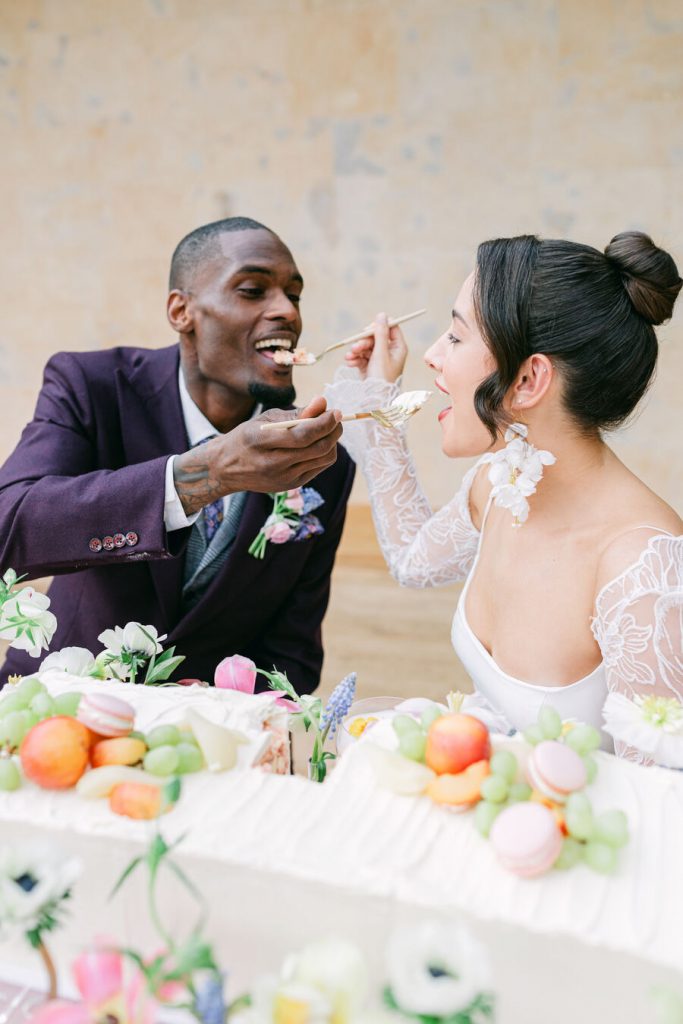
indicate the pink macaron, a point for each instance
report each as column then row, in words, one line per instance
column 526, row 839
column 105, row 715
column 555, row 770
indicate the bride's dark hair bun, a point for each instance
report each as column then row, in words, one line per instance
column 649, row 274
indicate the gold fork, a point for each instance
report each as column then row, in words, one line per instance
column 285, row 358
column 395, row 415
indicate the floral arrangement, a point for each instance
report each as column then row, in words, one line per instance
column 132, row 653
column 651, row 725
column 307, row 711
column 24, row 616
column 34, row 884
column 291, row 519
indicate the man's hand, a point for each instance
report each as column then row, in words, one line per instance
column 251, row 459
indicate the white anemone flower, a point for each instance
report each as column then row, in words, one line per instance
column 33, row 626
column 436, row 969
column 133, row 637
column 334, row 968
column 77, row 661
column 653, row 725
column 33, row 881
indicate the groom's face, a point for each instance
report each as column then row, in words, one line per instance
column 243, row 306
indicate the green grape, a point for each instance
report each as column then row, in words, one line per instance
column 430, row 715
column 189, row 758
column 519, row 791
column 43, row 705
column 15, row 728
column 612, row 828
column 30, row 718
column 591, row 768
column 533, row 735
column 10, row 777
column 600, row 857
column 162, row 760
column 580, row 821
column 485, row 813
column 405, row 724
column 504, row 763
column 67, row 703
column 549, row 722
column 29, row 688
column 579, row 802
column 137, row 736
column 13, row 701
column 163, row 736
column 495, row 789
column 413, row 745
column 584, row 739
column 570, row 854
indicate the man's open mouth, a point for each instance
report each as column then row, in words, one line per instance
column 273, row 344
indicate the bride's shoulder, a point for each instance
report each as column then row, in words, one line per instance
column 646, row 537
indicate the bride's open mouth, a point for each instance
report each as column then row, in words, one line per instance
column 444, row 412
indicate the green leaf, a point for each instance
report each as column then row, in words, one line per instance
column 126, row 874
column 160, row 671
column 170, row 794
column 195, row 955
column 158, row 849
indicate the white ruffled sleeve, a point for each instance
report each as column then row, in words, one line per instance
column 421, row 549
column 639, row 627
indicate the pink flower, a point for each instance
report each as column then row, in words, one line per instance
column 99, row 978
column 236, row 673
column 294, row 501
column 278, row 532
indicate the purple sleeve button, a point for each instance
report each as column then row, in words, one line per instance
column 132, row 539
column 119, row 540
column 95, row 544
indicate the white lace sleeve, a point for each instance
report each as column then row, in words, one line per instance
column 639, row 626
column 421, row 549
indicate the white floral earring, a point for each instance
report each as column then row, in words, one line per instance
column 515, row 471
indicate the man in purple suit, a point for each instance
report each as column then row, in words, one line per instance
column 144, row 475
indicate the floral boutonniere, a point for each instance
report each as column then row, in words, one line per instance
column 291, row 519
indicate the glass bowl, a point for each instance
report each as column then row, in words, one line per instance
column 368, row 707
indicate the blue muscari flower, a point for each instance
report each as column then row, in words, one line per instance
column 309, row 526
column 312, row 500
column 339, row 703
column 209, row 1004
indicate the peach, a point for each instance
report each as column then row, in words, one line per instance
column 119, row 750
column 460, row 790
column 137, row 800
column 54, row 753
column 456, row 741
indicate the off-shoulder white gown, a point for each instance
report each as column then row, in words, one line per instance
column 638, row 616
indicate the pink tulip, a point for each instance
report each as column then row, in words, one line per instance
column 294, row 500
column 59, row 1012
column 278, row 533
column 98, row 974
column 236, row 673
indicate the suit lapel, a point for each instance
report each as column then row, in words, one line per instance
column 152, row 425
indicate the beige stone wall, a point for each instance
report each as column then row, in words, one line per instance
column 382, row 138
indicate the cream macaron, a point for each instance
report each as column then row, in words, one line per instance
column 106, row 715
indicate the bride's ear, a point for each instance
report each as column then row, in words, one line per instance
column 533, row 381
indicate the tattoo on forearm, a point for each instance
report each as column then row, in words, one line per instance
column 193, row 483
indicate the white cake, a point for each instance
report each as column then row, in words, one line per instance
column 282, row 860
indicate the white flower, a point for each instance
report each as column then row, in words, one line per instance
column 436, row 969
column 77, row 661
column 514, row 472
column 34, row 626
column 287, row 1002
column 333, row 967
column 33, row 880
column 132, row 637
column 653, row 725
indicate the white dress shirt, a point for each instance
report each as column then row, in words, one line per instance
column 198, row 429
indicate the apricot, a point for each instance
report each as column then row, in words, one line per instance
column 461, row 790
column 456, row 741
column 54, row 753
column 137, row 800
column 119, row 750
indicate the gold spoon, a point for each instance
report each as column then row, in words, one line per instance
column 300, row 357
column 395, row 415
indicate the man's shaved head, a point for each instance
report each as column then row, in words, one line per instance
column 202, row 244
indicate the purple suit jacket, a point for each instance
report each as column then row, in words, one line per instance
column 91, row 464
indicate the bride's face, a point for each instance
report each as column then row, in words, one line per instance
column 462, row 361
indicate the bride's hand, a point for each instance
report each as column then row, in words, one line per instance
column 383, row 355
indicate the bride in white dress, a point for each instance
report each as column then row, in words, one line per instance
column 574, row 583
